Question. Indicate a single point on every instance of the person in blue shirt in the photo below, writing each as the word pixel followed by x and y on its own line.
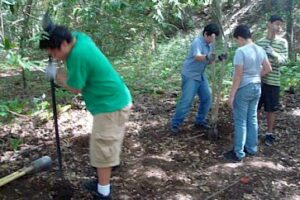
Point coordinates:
pixel 250 64
pixel 194 80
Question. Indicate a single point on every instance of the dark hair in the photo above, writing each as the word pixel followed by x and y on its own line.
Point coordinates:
pixel 274 18
pixel 211 29
pixel 53 38
pixel 242 31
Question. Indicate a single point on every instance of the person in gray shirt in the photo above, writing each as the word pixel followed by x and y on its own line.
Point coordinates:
pixel 250 64
pixel 194 80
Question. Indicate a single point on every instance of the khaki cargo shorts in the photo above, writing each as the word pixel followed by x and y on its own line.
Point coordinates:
pixel 107 138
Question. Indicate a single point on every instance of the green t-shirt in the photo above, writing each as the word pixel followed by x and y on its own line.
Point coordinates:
pixel 280 46
pixel 102 88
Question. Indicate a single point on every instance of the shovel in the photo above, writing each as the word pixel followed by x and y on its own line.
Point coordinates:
pixel 41 164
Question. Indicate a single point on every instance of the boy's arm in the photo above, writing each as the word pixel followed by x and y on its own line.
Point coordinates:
pixel 196 50
pixel 266 67
pixel 280 57
pixel 200 57
pixel 211 57
pixel 235 84
pixel 61 79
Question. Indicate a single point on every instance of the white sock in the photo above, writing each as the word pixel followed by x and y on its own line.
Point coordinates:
pixel 104 189
pixel 267 133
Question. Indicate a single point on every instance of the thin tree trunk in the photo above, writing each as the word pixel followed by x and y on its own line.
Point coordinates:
pixel 24 35
pixel 2 34
pixel 216 82
pixel 290 30
pixel 154 41
pixel 216 6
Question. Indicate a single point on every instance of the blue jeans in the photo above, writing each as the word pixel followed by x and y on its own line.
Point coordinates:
pixel 190 88
pixel 245 119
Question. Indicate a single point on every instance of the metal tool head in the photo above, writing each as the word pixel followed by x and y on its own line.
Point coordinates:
pixel 51 69
pixel 42 164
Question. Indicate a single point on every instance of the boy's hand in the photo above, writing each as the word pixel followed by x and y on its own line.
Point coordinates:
pixel 61 77
pixel 211 57
pixel 230 102
pixel 269 50
pixel 222 57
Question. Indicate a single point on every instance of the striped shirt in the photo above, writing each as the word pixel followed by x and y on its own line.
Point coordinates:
pixel 280 47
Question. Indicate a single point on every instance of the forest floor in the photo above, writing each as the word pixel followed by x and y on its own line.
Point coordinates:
pixel 155 165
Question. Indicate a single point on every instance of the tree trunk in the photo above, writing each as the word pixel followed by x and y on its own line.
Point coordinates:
pixel 216 6
pixel 2 34
pixel 290 30
pixel 24 35
pixel 154 42
pixel 216 82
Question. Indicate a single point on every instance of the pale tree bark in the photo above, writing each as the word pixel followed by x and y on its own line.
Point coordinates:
pixel 2 34
pixel 217 82
pixel 216 6
pixel 25 34
pixel 290 29
pixel 154 41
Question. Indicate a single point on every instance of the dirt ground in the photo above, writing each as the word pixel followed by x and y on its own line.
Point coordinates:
pixel 155 165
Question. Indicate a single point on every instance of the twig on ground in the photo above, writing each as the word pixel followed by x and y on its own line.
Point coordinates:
pixel 243 180
pixel 17 114
pixel 193 137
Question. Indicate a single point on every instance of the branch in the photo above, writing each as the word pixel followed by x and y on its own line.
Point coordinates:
pixel 17 114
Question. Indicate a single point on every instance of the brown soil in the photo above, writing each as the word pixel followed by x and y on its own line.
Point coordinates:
pixel 155 165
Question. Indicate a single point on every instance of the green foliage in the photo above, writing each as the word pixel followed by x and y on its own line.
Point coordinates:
pixel 6 107
pixel 63 94
pixel 41 107
pixel 16 106
pixel 15 143
pixel 290 77
pixel 3 110
pixel 8 44
pixel 153 72
pixel 125 23
pixel 13 59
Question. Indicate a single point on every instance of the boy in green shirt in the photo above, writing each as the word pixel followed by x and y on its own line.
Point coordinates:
pixel 106 96
pixel 277 50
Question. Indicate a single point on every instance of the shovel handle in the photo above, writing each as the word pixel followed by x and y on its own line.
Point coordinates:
pixel 41 164
pixel 15 175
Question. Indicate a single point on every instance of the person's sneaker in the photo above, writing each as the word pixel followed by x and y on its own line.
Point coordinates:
pixel 115 168
pixel 230 155
pixel 248 153
pixel 202 126
pixel 269 140
pixel 92 186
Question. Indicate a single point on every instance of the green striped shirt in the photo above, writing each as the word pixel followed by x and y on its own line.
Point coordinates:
pixel 280 47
